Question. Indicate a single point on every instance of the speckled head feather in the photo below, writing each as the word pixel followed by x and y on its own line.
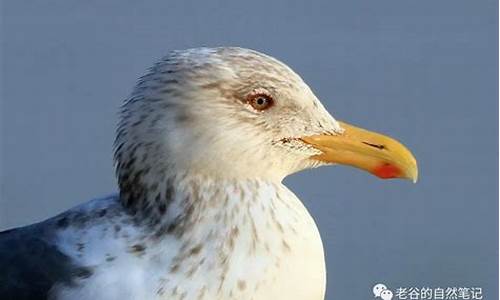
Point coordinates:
pixel 190 114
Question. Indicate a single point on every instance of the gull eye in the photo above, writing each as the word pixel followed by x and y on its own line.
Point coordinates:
pixel 260 101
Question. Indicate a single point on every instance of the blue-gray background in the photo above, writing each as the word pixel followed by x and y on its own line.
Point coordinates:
pixel 424 71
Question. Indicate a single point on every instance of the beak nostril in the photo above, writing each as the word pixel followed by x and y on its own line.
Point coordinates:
pixel 378 146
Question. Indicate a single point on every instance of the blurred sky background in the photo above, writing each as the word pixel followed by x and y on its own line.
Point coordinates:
pixel 422 71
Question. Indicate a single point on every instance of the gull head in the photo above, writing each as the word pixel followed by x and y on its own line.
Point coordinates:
pixel 236 113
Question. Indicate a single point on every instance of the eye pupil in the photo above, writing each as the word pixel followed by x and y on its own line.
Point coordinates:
pixel 261 101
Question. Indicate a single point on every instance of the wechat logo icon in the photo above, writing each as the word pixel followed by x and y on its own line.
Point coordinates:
pixel 381 291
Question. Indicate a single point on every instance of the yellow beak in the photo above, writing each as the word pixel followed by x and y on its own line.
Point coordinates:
pixel 366 150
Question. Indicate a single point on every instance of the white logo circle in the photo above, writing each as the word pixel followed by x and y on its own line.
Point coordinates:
pixel 378 288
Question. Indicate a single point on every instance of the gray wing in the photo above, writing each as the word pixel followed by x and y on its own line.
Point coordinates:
pixel 30 265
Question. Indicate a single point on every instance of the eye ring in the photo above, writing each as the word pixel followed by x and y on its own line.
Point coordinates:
pixel 260 101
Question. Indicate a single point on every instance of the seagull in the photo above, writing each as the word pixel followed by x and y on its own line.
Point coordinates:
pixel 202 146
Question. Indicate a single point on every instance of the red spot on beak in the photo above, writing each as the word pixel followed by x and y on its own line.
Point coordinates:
pixel 387 171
